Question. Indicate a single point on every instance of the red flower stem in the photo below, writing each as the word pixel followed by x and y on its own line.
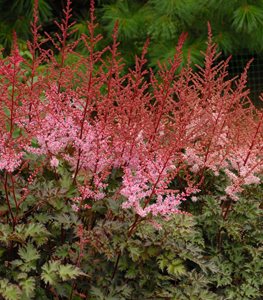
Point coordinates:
pixel 8 202
pixel 13 191
pixel 254 139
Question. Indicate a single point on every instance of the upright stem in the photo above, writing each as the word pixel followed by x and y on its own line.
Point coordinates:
pixel 12 102
pixel 253 140
pixel 13 191
pixel 82 127
pixel 8 202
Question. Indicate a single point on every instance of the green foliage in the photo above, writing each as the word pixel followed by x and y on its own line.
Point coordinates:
pixel 9 291
pixel 247 18
pixel 16 16
pixel 163 21
pixel 232 22
pixel 55 252
pixel 54 271
pixel 235 244
pixel 129 16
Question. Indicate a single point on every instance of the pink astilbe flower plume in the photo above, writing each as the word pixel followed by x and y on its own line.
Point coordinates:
pixel 152 127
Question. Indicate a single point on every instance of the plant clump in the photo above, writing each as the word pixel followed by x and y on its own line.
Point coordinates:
pixel 90 153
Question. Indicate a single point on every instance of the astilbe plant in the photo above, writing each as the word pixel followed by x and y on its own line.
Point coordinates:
pixel 154 127
pixel 161 132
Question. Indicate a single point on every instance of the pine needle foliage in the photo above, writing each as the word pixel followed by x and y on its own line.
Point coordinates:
pixel 16 16
pixel 237 24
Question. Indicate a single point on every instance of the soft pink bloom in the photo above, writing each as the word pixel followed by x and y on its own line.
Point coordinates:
pixel 54 162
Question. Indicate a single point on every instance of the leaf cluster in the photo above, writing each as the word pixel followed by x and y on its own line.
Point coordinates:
pixel 55 253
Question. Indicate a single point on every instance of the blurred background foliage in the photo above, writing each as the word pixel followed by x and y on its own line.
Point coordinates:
pixel 237 28
pixel 236 24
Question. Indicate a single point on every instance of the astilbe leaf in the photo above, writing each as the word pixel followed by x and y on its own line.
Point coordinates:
pixel 54 271
pixel 9 291
pixel 68 272
pixel 28 253
pixel 28 286
pixel 50 272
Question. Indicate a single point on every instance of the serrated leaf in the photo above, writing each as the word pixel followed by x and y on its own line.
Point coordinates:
pixel 176 268
pixel 17 262
pixel 134 253
pixel 22 276
pixel 49 272
pixel 67 272
pixel 162 263
pixel 28 287
pixel 131 272
pixel 28 253
pixel 9 291
pixel 98 293
pixel 63 251
pixel 37 232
